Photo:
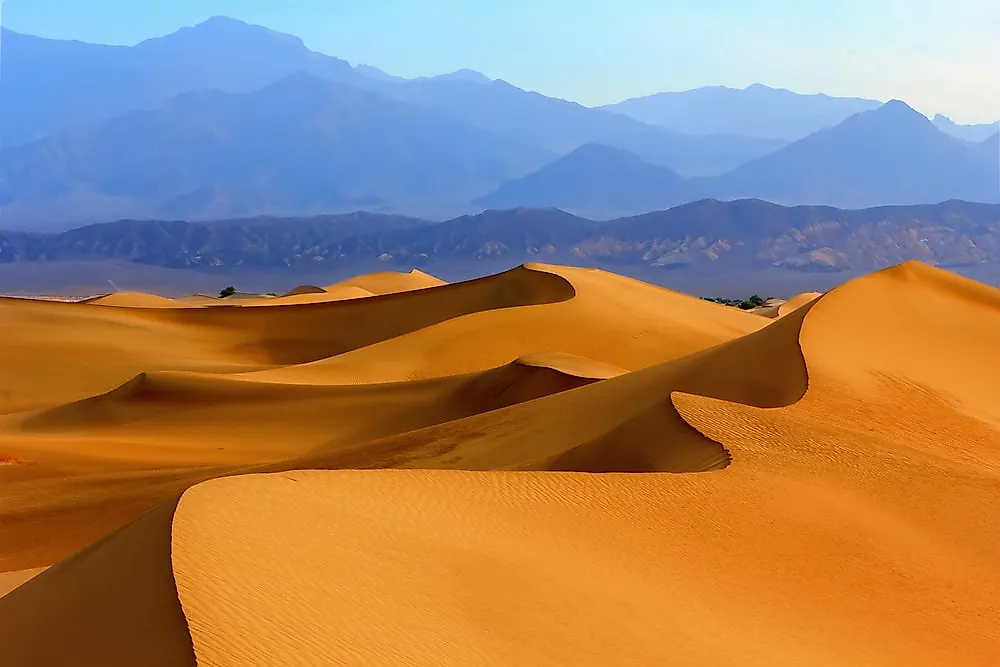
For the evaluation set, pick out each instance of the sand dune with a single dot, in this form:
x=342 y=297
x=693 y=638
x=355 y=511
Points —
x=305 y=289
x=136 y=300
x=780 y=308
x=816 y=487
x=389 y=282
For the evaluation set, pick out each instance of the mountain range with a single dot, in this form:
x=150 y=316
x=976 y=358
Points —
x=707 y=235
x=226 y=119
x=891 y=153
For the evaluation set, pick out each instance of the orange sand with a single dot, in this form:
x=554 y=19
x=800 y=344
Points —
x=819 y=488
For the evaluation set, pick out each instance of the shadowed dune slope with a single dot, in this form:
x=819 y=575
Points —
x=305 y=289
x=114 y=604
x=319 y=296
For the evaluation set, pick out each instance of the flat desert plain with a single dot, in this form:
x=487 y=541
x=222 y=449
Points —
x=549 y=466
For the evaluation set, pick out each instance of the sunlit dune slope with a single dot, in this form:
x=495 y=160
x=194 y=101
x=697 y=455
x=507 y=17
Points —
x=797 y=302
x=390 y=282
x=492 y=568
x=784 y=307
x=136 y=300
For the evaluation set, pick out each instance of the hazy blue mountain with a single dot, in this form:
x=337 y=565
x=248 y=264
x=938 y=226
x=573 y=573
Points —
x=595 y=180
x=973 y=133
x=561 y=127
x=891 y=155
x=755 y=111
x=469 y=75
x=300 y=145
x=990 y=146
x=52 y=85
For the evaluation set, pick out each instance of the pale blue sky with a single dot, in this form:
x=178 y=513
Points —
x=941 y=57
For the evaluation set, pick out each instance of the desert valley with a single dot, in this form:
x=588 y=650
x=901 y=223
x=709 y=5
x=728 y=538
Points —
x=546 y=466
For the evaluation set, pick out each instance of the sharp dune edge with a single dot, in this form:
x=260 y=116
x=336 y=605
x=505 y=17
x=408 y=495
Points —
x=818 y=487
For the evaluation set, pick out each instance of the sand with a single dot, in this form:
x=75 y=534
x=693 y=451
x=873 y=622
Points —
x=389 y=282
x=408 y=477
x=781 y=307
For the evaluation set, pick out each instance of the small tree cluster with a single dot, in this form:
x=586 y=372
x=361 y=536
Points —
x=755 y=301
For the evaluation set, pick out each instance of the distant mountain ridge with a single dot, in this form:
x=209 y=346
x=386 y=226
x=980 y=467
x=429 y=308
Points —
x=51 y=85
x=763 y=111
x=890 y=155
x=972 y=133
x=757 y=111
x=707 y=235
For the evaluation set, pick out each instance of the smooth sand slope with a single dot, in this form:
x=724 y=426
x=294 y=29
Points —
x=389 y=282
x=822 y=490
x=780 y=308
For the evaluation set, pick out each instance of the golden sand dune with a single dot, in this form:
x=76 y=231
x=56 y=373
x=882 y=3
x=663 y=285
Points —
x=780 y=308
x=136 y=300
x=821 y=488
x=305 y=289
x=390 y=282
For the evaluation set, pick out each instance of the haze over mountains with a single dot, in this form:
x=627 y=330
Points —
x=228 y=120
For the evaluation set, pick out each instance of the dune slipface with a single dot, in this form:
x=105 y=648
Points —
x=817 y=488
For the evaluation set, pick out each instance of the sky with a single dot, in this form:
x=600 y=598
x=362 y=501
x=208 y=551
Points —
x=940 y=57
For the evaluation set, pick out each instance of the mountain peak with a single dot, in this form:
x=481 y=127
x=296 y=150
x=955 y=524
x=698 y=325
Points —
x=464 y=75
x=219 y=31
x=899 y=107
x=595 y=150
x=219 y=20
